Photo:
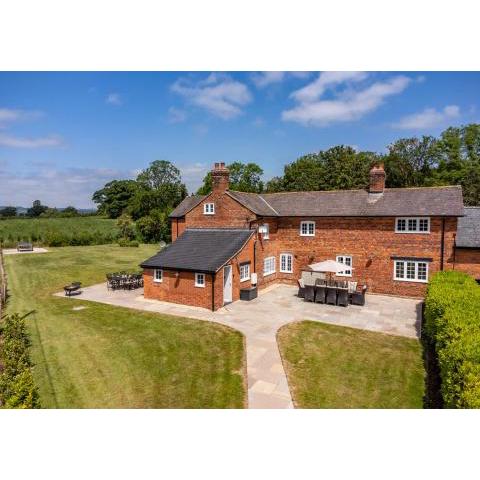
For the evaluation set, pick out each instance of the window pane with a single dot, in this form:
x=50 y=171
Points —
x=412 y=224
x=311 y=228
x=399 y=270
x=424 y=225
x=411 y=270
x=422 y=271
x=401 y=224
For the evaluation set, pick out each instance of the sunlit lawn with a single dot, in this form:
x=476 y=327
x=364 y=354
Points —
x=105 y=356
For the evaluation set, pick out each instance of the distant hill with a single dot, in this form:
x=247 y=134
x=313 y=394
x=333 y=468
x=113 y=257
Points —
x=23 y=210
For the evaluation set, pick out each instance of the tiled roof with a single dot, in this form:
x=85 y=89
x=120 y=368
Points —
x=468 y=230
x=186 y=205
x=422 y=201
x=200 y=250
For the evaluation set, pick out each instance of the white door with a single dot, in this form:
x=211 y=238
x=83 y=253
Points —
x=227 y=284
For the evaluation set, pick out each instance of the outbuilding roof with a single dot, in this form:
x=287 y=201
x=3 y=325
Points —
x=200 y=249
x=468 y=229
x=395 y=202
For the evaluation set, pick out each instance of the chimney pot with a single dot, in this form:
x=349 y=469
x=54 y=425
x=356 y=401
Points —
x=220 y=178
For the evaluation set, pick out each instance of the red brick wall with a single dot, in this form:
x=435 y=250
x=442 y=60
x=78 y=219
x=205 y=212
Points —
x=468 y=260
x=228 y=213
x=178 y=226
x=370 y=241
x=179 y=289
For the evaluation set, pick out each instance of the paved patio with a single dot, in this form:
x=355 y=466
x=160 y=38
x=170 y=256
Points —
x=13 y=251
x=260 y=319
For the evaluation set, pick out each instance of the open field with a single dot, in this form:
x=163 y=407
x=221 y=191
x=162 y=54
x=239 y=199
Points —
x=58 y=231
x=104 y=356
x=329 y=366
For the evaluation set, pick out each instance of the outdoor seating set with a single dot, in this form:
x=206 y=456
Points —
x=24 y=247
x=315 y=287
x=124 y=281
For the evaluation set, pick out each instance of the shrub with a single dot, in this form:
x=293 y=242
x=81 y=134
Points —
x=124 y=242
x=452 y=323
x=17 y=389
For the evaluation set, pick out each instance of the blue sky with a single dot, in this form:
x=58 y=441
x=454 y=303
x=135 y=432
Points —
x=63 y=135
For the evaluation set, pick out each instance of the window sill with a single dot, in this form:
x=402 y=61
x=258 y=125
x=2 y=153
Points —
x=209 y=213
x=419 y=233
x=410 y=280
x=286 y=271
x=199 y=286
x=244 y=280
x=307 y=235
x=268 y=274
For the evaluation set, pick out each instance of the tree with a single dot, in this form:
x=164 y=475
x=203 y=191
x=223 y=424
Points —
x=154 y=227
x=126 y=227
x=275 y=184
x=37 y=209
x=69 y=212
x=8 y=212
x=411 y=162
x=244 y=177
x=158 y=174
x=115 y=197
x=304 y=174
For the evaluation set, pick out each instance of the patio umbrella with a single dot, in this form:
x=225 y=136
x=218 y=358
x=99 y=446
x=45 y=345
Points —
x=330 y=266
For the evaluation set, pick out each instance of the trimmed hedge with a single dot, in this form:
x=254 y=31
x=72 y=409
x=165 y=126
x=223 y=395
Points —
x=452 y=323
x=17 y=389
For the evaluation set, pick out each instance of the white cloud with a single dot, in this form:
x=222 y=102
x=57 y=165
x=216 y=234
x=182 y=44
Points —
x=218 y=94
x=428 y=118
x=176 y=115
x=263 y=79
x=349 y=104
x=12 y=141
x=114 y=99
x=8 y=115
x=258 y=122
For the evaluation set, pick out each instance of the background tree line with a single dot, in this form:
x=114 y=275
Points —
x=143 y=205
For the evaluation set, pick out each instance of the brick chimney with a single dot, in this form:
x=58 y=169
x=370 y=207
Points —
x=377 y=179
x=220 y=178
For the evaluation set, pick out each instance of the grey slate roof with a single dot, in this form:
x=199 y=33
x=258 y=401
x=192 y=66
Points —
x=186 y=205
x=468 y=230
x=395 y=202
x=200 y=250
x=429 y=201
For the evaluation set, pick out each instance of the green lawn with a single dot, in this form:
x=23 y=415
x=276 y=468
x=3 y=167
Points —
x=58 y=231
x=329 y=366
x=110 y=357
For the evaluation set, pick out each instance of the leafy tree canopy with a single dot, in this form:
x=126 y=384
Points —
x=244 y=177
x=8 y=212
x=36 y=209
x=115 y=196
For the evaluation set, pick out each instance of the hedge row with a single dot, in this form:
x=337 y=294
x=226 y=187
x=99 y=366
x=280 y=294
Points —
x=452 y=323
x=60 y=239
x=17 y=389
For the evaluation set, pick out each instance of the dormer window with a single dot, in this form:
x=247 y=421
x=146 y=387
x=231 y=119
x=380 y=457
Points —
x=412 y=225
x=209 y=208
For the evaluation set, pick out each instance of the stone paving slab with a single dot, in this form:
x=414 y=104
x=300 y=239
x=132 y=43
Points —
x=260 y=319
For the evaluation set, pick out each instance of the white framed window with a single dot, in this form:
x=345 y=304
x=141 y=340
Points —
x=307 y=229
x=348 y=262
x=286 y=263
x=158 y=275
x=266 y=231
x=410 y=271
x=268 y=266
x=200 y=280
x=244 y=272
x=208 y=208
x=412 y=225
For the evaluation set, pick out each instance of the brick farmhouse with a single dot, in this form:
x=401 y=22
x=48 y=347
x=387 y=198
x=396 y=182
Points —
x=390 y=239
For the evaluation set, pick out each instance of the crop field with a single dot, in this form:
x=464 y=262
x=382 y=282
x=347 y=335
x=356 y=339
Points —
x=58 y=232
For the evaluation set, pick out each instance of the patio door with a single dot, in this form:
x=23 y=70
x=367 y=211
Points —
x=227 y=284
